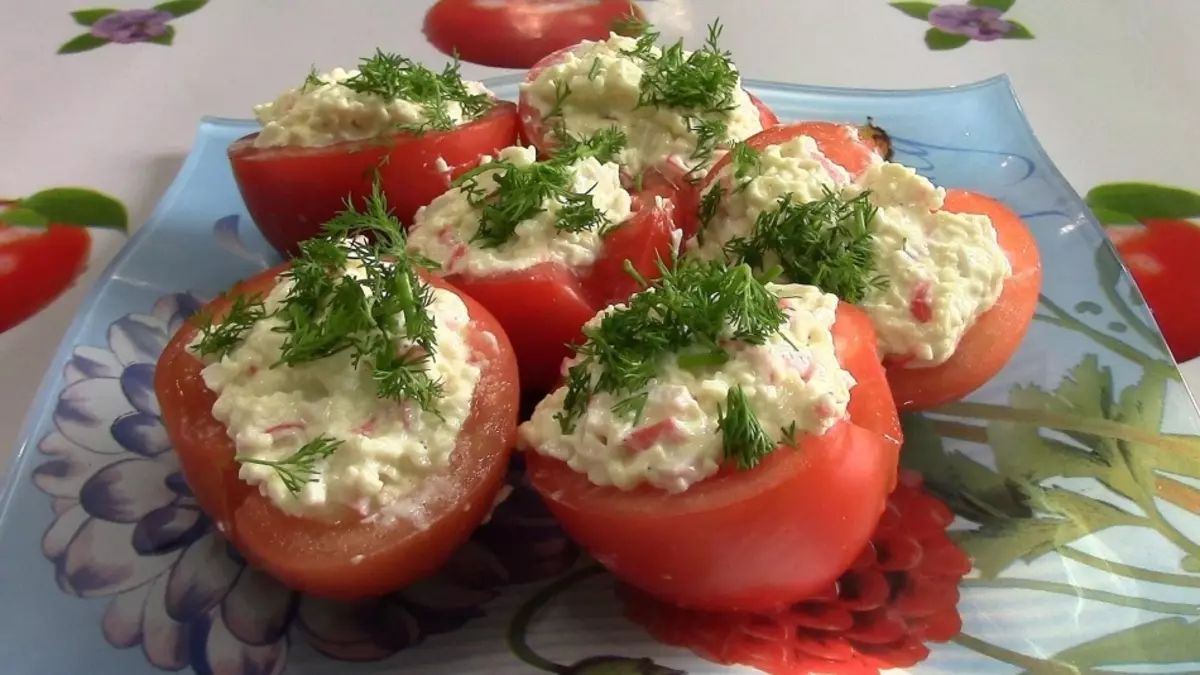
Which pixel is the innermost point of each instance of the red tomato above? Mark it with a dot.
(318, 557)
(36, 266)
(533, 130)
(1160, 255)
(544, 307)
(989, 344)
(517, 33)
(292, 192)
(748, 540)
(849, 147)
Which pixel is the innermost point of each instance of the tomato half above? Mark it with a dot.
(845, 145)
(534, 131)
(544, 307)
(348, 559)
(291, 192)
(517, 33)
(749, 540)
(36, 266)
(989, 344)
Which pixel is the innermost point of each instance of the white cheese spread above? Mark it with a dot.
(387, 447)
(793, 377)
(316, 115)
(943, 270)
(443, 230)
(604, 82)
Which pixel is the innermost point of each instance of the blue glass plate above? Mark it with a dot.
(1072, 477)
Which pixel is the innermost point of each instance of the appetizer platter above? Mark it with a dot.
(622, 366)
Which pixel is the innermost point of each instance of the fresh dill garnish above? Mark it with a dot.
(327, 311)
(391, 76)
(313, 80)
(743, 439)
(630, 24)
(594, 69)
(826, 243)
(701, 85)
(562, 89)
(523, 192)
(300, 467)
(687, 314)
(218, 339)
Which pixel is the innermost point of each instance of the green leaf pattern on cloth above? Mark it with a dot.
(128, 26)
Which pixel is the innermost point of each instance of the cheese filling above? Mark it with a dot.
(942, 270)
(794, 377)
(386, 448)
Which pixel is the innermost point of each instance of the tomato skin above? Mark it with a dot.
(840, 143)
(534, 131)
(317, 557)
(990, 343)
(291, 192)
(543, 308)
(518, 33)
(751, 540)
(37, 266)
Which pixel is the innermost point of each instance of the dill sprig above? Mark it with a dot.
(300, 467)
(826, 243)
(687, 314)
(391, 76)
(743, 439)
(700, 85)
(370, 314)
(745, 162)
(523, 192)
(219, 338)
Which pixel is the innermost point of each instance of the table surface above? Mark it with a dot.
(1110, 88)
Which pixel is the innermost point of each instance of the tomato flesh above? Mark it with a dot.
(749, 540)
(348, 559)
(543, 308)
(518, 33)
(291, 192)
(37, 266)
(990, 343)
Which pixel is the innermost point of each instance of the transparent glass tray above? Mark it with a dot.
(1072, 475)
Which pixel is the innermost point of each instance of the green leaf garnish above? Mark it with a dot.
(825, 243)
(522, 192)
(391, 77)
(700, 85)
(688, 314)
(300, 467)
(380, 316)
(743, 438)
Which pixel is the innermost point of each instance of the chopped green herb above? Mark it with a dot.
(826, 243)
(630, 24)
(300, 467)
(689, 312)
(391, 76)
(327, 311)
(743, 438)
(523, 192)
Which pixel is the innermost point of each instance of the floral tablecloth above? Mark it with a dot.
(100, 106)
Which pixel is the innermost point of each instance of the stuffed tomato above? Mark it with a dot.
(679, 109)
(950, 279)
(331, 138)
(344, 419)
(719, 442)
(543, 244)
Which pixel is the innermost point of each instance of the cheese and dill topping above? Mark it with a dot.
(347, 384)
(706, 366)
(677, 107)
(385, 94)
(513, 212)
(883, 242)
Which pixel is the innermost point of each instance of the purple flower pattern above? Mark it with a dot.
(957, 25)
(127, 528)
(131, 25)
